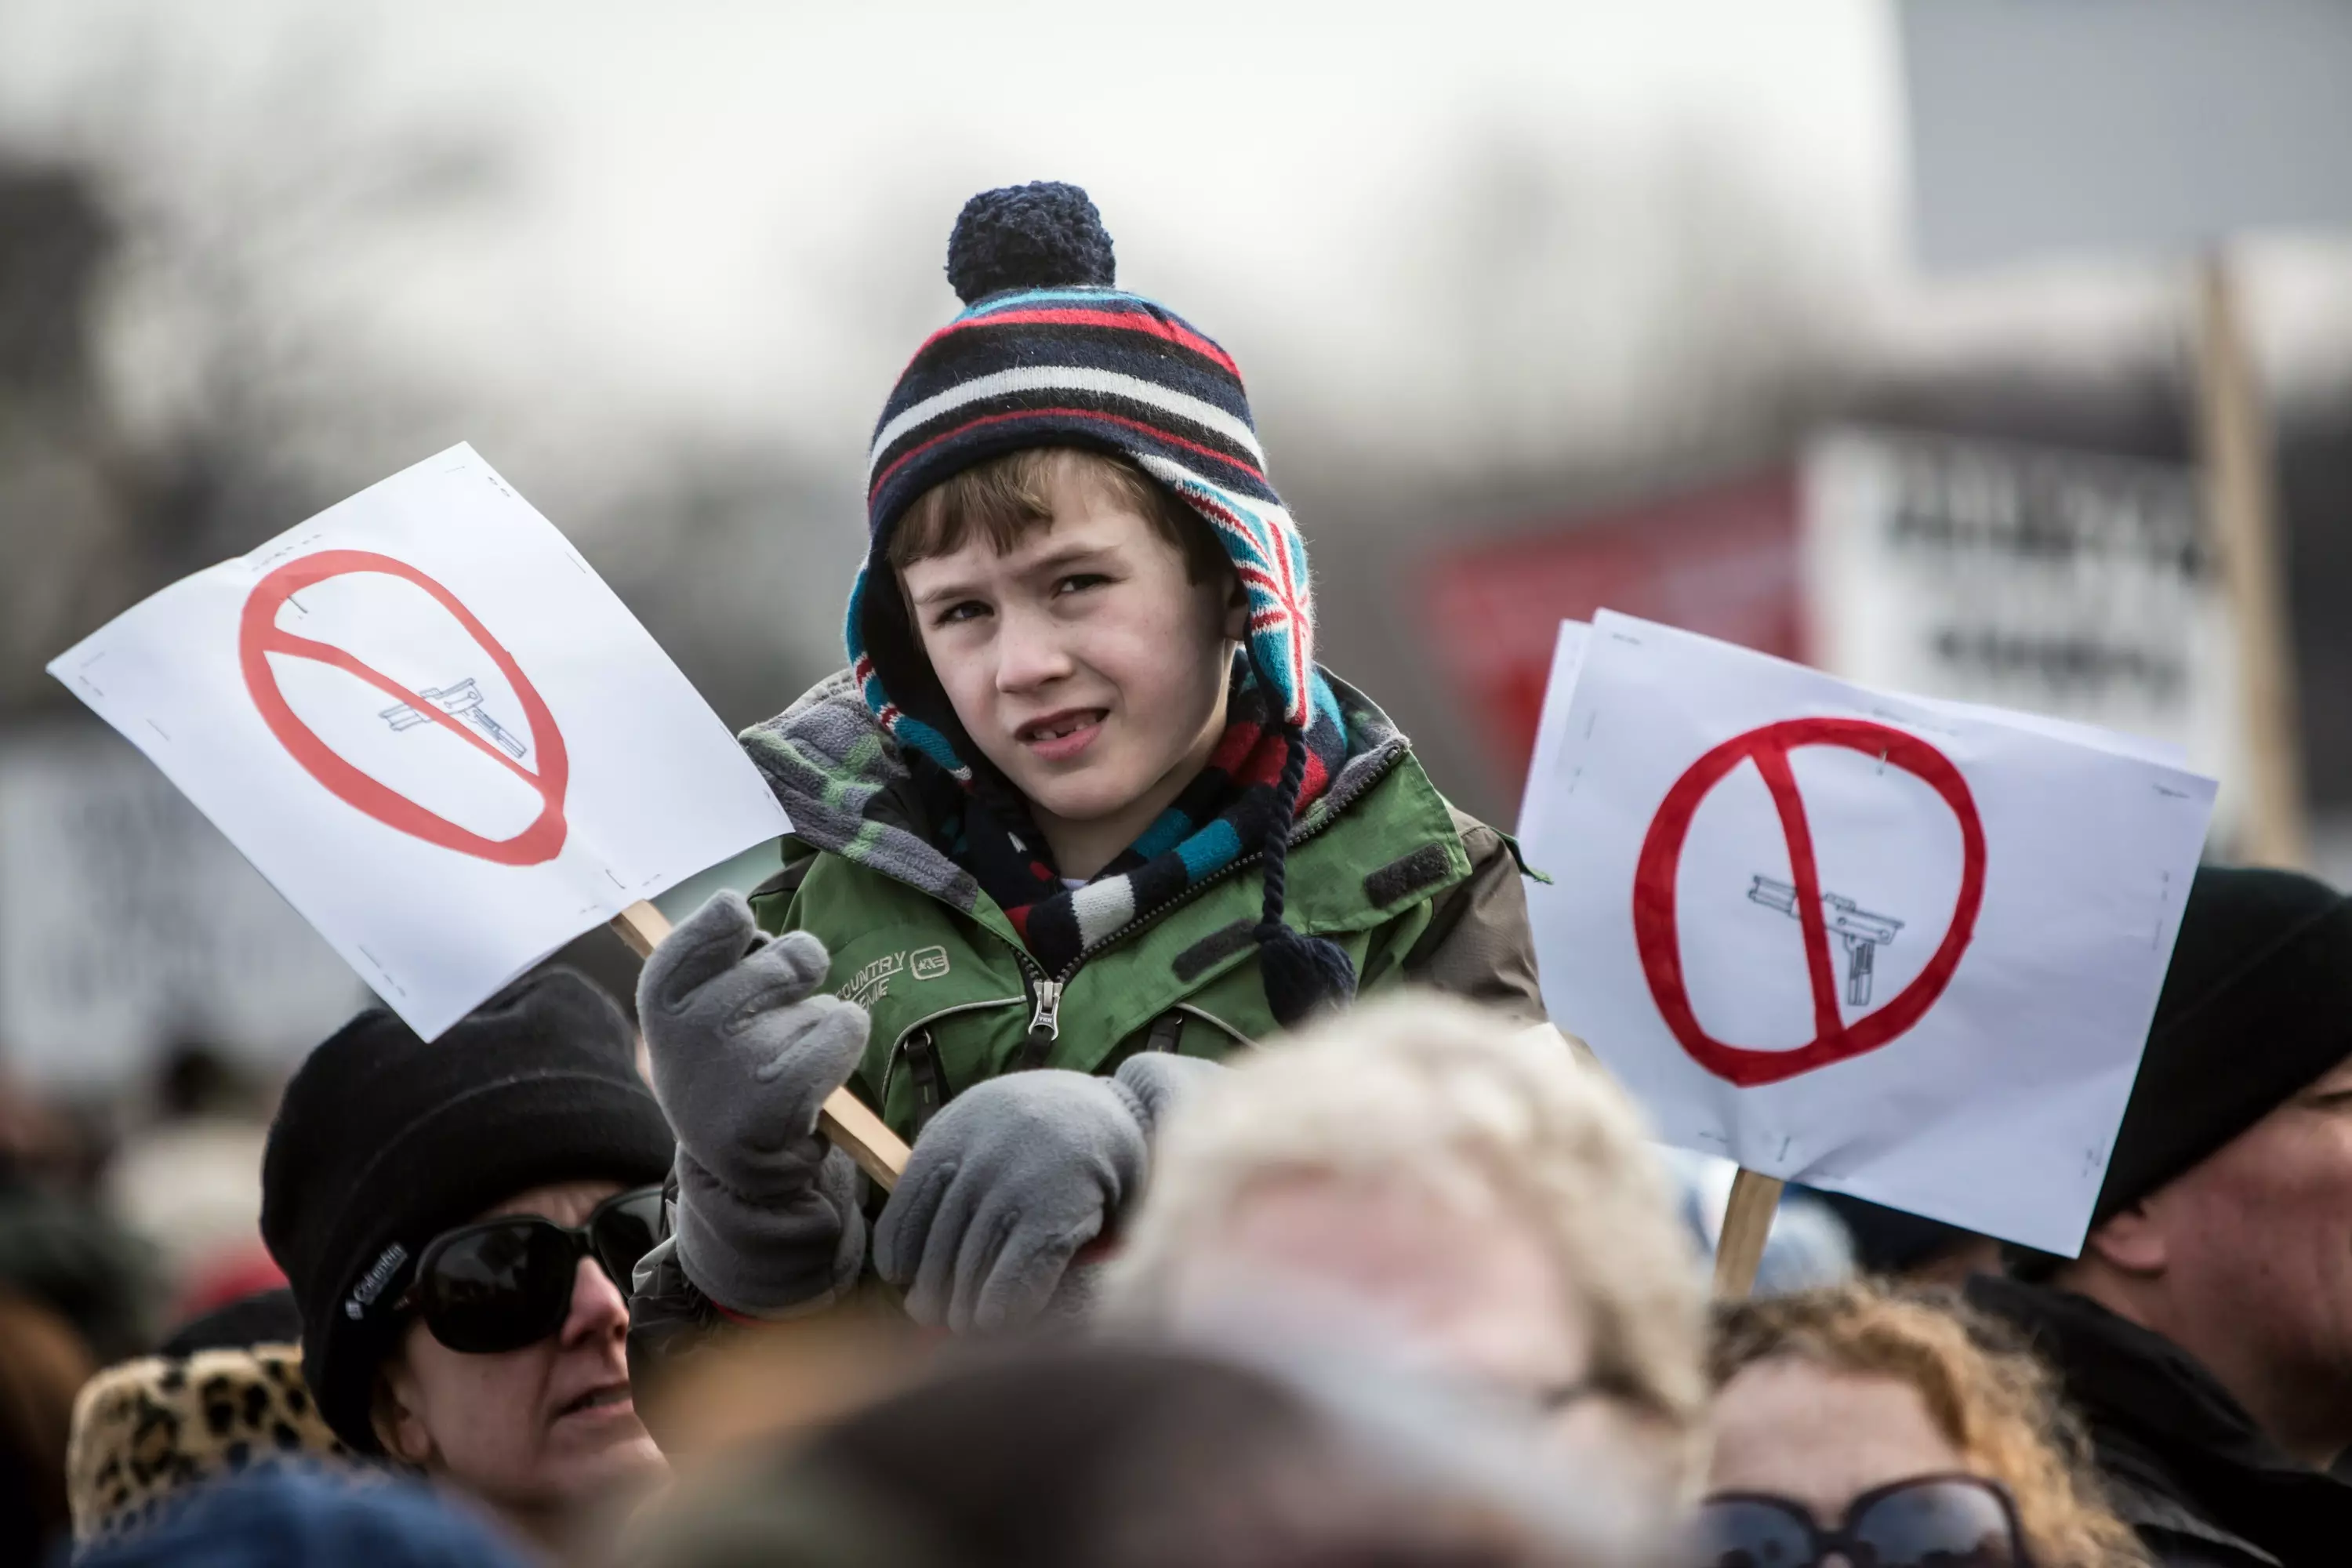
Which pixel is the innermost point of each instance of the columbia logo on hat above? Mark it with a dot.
(371, 1284)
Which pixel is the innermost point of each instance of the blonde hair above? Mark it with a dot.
(1991, 1399)
(1462, 1102)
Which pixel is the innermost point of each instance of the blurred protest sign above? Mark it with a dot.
(2161, 127)
(128, 924)
(1900, 948)
(1721, 560)
(433, 727)
(2057, 583)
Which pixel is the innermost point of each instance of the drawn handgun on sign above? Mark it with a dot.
(1862, 932)
(462, 701)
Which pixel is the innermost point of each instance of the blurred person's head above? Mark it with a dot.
(149, 1433)
(222, 1396)
(195, 1079)
(458, 1220)
(302, 1519)
(187, 1181)
(1453, 1190)
(1133, 1457)
(1829, 1402)
(2225, 1220)
(43, 1362)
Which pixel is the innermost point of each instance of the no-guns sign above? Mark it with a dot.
(435, 730)
(1898, 948)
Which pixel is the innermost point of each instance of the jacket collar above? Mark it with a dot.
(2169, 1431)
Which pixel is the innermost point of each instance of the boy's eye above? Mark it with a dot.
(1080, 580)
(963, 611)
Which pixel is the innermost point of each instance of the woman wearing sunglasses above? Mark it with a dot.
(459, 1220)
(1859, 1427)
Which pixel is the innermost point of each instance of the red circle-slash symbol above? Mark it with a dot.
(259, 636)
(1658, 940)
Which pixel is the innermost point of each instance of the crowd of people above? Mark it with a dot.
(1255, 1212)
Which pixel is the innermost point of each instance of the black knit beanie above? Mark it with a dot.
(385, 1141)
(2256, 1005)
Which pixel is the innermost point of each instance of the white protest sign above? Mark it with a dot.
(434, 728)
(1551, 729)
(1898, 949)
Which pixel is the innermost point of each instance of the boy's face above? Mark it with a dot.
(1083, 664)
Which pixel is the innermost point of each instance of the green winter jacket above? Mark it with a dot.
(1413, 890)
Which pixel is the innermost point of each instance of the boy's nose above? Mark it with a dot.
(1029, 652)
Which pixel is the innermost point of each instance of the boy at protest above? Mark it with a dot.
(1082, 705)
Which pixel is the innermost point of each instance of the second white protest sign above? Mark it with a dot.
(1887, 947)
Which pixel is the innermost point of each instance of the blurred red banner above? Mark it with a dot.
(1721, 560)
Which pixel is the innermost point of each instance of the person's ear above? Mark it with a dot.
(393, 1411)
(1237, 608)
(2131, 1240)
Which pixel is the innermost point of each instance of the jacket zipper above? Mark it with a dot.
(1045, 992)
(1045, 1022)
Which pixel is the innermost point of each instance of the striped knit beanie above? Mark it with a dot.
(1050, 353)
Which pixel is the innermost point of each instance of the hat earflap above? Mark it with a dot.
(1304, 976)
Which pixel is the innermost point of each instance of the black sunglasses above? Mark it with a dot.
(1926, 1521)
(504, 1283)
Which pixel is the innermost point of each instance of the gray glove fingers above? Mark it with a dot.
(783, 972)
(1024, 1275)
(700, 949)
(907, 1218)
(818, 1045)
(1160, 1080)
(990, 1235)
(940, 1246)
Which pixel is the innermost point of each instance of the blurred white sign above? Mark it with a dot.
(2123, 125)
(128, 924)
(2052, 582)
(428, 722)
(1887, 947)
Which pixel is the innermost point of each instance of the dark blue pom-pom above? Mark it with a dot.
(1304, 976)
(1042, 235)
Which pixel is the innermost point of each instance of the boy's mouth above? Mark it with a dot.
(1059, 736)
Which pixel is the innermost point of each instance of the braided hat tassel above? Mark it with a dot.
(1303, 976)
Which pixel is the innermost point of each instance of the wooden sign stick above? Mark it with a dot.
(878, 1152)
(2242, 507)
(1746, 1221)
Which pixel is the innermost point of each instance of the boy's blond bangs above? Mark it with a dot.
(1003, 498)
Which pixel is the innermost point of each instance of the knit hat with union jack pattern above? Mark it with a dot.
(1049, 352)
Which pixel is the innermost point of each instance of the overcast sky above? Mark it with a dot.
(732, 217)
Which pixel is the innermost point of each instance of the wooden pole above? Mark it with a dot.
(2236, 445)
(878, 1152)
(1746, 1221)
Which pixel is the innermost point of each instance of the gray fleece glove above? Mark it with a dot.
(743, 1056)
(1012, 1179)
